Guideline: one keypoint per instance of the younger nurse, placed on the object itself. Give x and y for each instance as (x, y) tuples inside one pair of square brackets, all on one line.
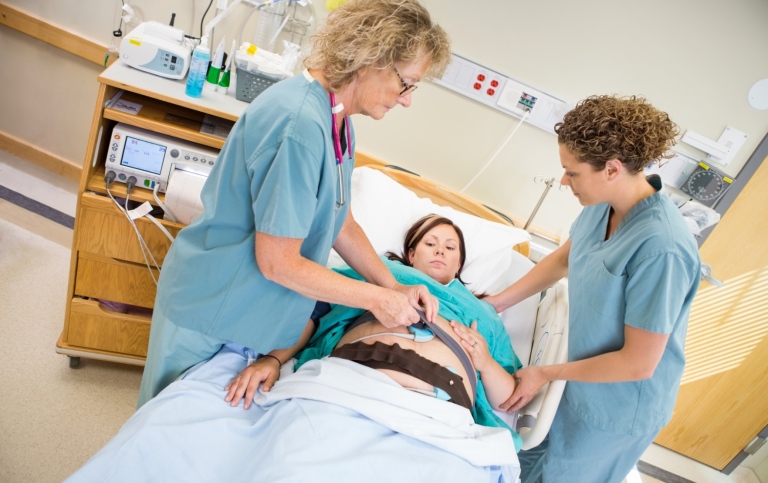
[(249, 269), (633, 269)]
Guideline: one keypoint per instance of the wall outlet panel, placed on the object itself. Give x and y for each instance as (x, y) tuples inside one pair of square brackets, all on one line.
[(732, 139), (503, 93)]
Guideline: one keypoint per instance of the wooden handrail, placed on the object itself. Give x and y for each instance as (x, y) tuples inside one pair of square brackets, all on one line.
[(47, 32)]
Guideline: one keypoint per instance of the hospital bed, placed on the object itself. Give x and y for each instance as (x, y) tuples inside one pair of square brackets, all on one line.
[(361, 427)]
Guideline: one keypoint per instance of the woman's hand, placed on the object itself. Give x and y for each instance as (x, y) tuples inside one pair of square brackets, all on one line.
[(418, 296), (529, 381), (264, 371), (475, 345)]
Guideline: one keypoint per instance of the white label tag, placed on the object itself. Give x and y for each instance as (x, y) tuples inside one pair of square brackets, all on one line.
[(140, 210)]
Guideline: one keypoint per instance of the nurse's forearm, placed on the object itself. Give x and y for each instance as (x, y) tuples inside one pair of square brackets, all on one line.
[(280, 261), (354, 247), (542, 276), (635, 361), (609, 367)]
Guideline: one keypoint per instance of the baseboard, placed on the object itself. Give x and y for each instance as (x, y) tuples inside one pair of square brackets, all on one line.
[(40, 157)]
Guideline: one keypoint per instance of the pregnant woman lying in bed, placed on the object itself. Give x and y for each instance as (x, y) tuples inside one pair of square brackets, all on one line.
[(438, 360)]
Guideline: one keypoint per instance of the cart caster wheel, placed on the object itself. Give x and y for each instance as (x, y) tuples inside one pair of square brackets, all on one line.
[(74, 362)]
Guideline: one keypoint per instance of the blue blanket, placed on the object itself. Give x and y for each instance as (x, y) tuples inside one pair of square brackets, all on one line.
[(456, 303), (345, 431)]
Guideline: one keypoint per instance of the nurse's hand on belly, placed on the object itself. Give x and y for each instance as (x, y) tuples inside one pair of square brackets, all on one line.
[(420, 298), (397, 307)]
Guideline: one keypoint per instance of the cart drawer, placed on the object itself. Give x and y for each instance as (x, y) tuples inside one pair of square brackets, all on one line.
[(93, 327), (104, 230), (105, 278)]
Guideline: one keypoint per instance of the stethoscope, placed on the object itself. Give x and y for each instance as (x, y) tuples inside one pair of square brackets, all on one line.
[(337, 148)]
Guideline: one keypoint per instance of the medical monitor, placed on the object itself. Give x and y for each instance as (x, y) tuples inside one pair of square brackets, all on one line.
[(151, 157)]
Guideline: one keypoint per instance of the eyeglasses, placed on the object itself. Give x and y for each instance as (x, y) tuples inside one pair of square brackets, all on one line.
[(407, 88)]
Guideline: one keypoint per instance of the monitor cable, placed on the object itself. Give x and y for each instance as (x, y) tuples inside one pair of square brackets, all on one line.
[(109, 177)]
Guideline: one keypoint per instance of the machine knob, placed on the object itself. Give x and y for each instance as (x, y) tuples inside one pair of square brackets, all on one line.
[(174, 153)]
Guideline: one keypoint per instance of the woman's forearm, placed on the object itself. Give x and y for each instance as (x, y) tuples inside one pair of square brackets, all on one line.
[(498, 384), (284, 355)]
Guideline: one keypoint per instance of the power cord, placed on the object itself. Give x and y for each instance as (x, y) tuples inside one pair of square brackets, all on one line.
[(498, 150)]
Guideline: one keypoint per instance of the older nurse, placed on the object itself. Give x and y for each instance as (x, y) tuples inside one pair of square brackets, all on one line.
[(249, 269), (633, 269)]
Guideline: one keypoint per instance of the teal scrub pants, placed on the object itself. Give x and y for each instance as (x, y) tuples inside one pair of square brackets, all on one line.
[(172, 350), (577, 451)]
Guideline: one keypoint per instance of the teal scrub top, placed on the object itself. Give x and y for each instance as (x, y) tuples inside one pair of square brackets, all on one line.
[(645, 276), (277, 175)]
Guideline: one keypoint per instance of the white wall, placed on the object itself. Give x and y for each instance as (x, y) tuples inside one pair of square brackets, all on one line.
[(694, 59)]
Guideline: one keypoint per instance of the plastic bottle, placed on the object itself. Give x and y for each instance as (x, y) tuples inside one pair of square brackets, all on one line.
[(198, 69), (270, 18)]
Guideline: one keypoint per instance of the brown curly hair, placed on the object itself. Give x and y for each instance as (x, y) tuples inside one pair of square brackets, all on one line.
[(630, 129), (377, 33)]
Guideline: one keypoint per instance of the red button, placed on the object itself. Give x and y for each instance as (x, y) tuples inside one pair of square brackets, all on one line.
[(481, 77), (495, 83), (477, 86), (491, 92)]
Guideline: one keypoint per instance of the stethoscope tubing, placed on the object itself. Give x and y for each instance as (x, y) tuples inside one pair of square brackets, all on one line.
[(337, 149)]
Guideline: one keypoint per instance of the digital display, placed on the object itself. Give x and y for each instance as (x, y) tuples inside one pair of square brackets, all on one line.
[(143, 155)]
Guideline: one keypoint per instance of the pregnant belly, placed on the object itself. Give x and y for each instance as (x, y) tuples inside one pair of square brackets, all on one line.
[(434, 350)]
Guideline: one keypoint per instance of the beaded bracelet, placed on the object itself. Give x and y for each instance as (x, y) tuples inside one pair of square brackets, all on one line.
[(273, 357)]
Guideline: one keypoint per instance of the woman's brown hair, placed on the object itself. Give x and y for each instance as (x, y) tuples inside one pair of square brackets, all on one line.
[(417, 231)]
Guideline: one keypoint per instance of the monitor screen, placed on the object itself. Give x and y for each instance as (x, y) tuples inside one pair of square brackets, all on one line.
[(143, 155)]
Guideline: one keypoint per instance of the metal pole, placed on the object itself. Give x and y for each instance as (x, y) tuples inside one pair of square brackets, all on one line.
[(549, 182)]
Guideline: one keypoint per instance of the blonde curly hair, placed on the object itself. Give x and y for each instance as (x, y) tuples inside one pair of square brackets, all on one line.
[(377, 33), (630, 129)]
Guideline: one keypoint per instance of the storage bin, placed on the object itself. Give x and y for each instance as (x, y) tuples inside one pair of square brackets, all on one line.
[(250, 84)]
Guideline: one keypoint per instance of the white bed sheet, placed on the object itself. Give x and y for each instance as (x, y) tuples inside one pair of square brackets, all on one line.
[(331, 421)]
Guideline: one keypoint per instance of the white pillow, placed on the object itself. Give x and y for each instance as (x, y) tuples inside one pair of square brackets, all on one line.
[(386, 210)]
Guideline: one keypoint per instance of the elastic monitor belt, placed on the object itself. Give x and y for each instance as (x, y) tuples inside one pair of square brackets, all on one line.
[(393, 357), (442, 335)]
